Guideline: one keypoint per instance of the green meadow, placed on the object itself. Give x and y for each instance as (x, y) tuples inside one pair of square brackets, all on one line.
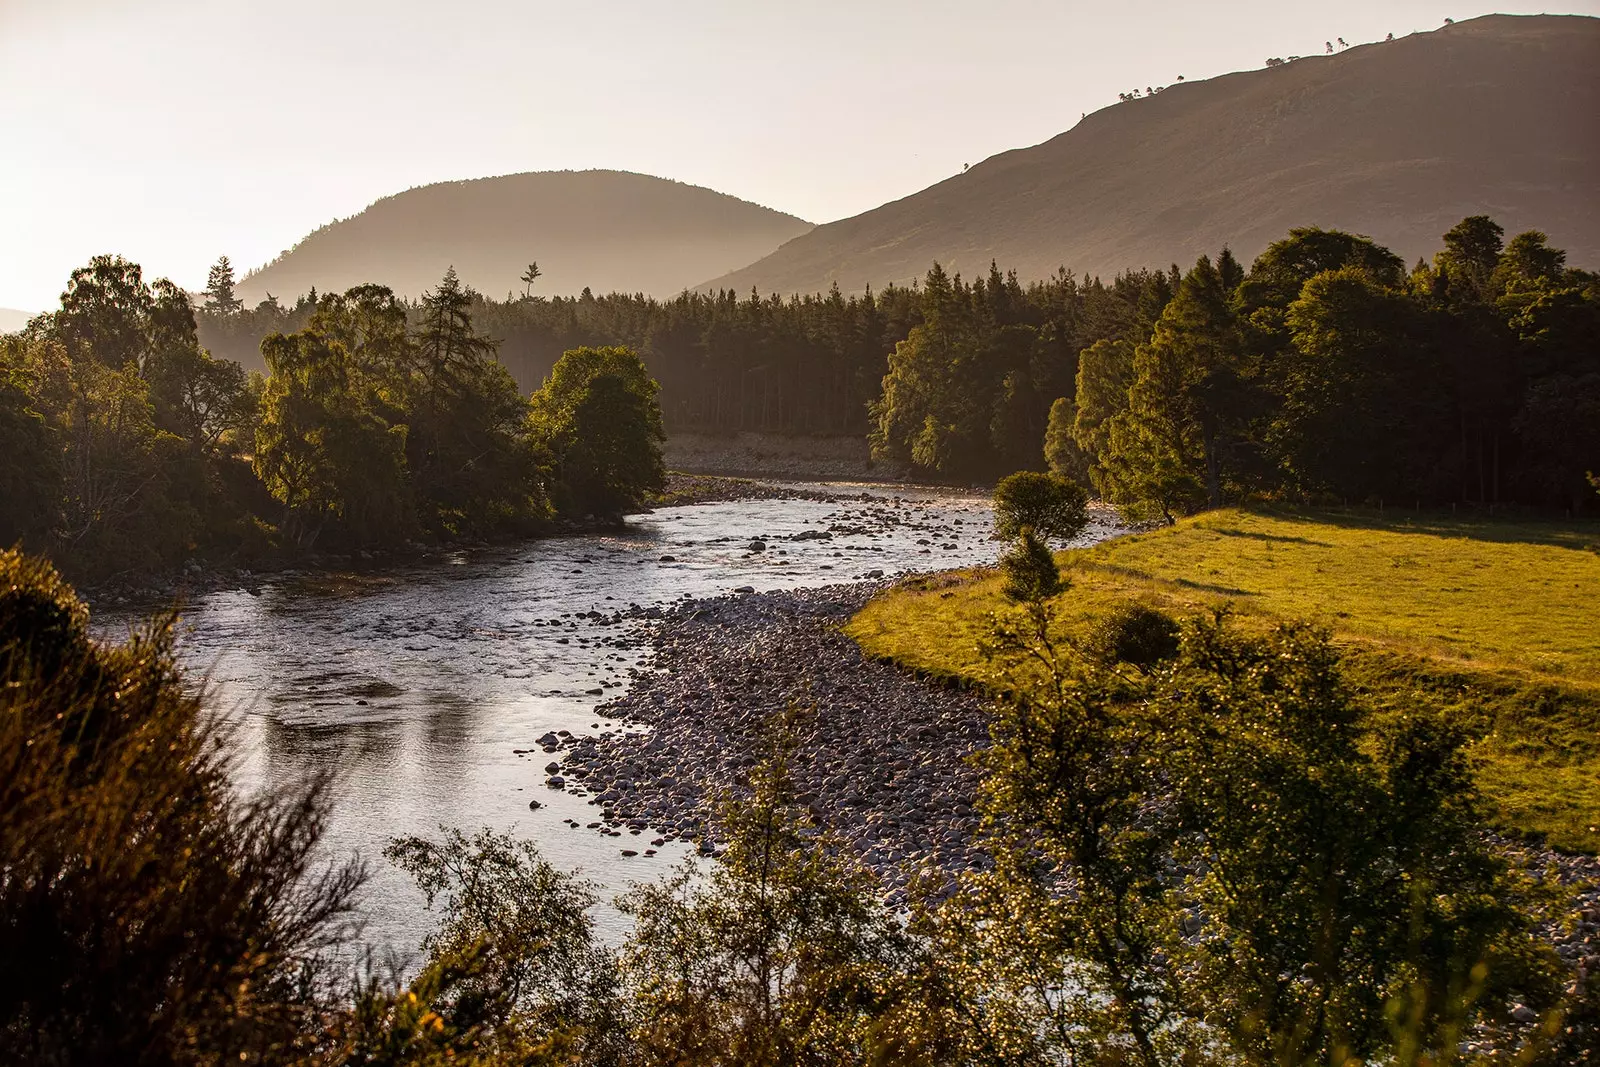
[(1496, 624)]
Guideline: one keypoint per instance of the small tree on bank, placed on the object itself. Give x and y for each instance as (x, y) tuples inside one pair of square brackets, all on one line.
[(1053, 507)]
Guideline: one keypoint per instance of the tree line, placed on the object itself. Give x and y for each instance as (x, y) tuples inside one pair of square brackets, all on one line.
[(803, 365), (1204, 849), (1326, 371), (125, 445)]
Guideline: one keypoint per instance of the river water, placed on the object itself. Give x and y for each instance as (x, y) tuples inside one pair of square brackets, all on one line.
[(418, 686)]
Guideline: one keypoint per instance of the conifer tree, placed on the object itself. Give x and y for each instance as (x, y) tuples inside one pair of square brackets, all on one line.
[(220, 298)]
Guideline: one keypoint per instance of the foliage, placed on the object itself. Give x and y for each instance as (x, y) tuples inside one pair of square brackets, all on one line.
[(597, 418), (1029, 569), (1054, 507), (779, 955), (321, 449), (1133, 633), (162, 917), (518, 942), (1242, 871)]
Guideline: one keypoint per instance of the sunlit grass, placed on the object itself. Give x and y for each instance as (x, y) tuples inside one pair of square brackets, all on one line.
[(1494, 622)]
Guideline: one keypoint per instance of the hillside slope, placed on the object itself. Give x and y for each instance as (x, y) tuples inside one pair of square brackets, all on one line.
[(608, 230), (1398, 140)]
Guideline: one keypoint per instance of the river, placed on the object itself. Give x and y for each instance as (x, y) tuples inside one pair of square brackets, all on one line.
[(417, 686)]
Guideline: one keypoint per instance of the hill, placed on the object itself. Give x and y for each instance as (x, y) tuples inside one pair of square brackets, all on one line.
[(12, 320), (1398, 140), (1488, 622), (607, 230)]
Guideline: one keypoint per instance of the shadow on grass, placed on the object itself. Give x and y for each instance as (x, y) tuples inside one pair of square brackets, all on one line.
[(1575, 534), (1230, 531), (1207, 587)]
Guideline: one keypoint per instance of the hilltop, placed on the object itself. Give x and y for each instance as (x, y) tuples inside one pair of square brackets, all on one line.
[(1397, 140), (606, 230), (12, 320)]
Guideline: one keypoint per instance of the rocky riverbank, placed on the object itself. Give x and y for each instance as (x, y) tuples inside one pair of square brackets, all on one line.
[(713, 488), (882, 758), (765, 455)]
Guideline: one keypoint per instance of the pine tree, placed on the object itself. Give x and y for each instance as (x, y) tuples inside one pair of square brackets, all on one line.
[(220, 298)]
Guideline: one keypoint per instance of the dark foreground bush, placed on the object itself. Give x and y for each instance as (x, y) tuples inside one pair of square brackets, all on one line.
[(147, 914)]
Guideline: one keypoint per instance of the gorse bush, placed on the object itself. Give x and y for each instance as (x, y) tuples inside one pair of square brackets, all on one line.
[(1136, 634), (1030, 570)]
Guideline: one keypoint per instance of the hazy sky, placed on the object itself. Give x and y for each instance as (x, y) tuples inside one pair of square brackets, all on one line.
[(173, 131)]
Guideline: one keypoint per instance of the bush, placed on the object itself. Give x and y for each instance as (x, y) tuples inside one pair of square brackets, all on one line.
[(162, 918), (1029, 569), (1055, 507), (1135, 634)]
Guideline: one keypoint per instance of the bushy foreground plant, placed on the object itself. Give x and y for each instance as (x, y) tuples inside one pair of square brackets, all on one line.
[(1207, 861), (148, 914)]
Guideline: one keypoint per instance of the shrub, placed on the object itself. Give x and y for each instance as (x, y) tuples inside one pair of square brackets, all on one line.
[(1135, 634), (1055, 507), (162, 918), (1029, 569)]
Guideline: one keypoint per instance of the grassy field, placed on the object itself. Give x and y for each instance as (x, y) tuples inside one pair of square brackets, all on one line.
[(1496, 623)]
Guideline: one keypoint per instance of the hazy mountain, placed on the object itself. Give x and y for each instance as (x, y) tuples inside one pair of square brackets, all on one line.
[(1397, 140), (12, 320), (608, 230)]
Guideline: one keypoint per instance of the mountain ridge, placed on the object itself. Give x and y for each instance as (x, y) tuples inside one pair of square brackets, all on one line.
[(1398, 139)]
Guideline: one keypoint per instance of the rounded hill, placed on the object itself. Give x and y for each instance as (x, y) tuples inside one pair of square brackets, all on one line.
[(602, 229)]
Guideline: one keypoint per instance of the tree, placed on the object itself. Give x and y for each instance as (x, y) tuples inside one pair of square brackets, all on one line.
[(473, 468), (1029, 569), (1358, 384), (598, 419), (30, 453), (220, 298), (1053, 507), (1528, 262), (105, 313), (321, 450), (529, 276), (1247, 867), (150, 913), (1560, 423), (1186, 403), (1471, 253), (520, 934), (778, 955), (1061, 451), (1105, 369)]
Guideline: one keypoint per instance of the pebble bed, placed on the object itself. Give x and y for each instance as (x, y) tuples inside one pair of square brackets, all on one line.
[(882, 757)]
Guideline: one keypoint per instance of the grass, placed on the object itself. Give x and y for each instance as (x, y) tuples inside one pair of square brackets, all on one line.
[(1495, 623)]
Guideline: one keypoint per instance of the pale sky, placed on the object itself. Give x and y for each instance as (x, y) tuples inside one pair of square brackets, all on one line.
[(174, 131)]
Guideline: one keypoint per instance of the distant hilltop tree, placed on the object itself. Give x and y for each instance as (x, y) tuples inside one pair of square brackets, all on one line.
[(219, 293), (530, 276)]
